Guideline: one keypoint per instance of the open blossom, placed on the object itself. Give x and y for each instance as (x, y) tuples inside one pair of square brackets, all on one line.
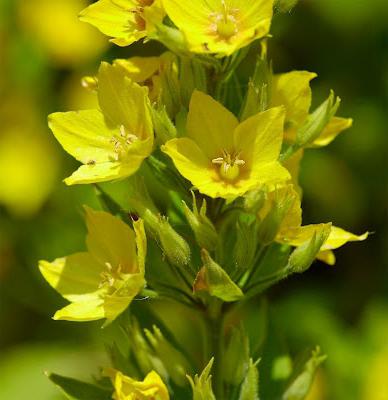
[(126, 21), (292, 232), (126, 388), (293, 91), (224, 158), (220, 26), (111, 143), (101, 282)]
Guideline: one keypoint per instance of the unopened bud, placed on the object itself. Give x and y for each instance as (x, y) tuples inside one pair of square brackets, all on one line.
[(304, 255), (270, 225), (174, 246), (164, 128), (204, 230)]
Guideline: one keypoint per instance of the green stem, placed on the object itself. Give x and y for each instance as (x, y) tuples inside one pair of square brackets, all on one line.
[(216, 330)]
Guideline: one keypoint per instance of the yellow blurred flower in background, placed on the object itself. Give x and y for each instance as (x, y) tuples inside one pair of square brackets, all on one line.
[(29, 160), (54, 25)]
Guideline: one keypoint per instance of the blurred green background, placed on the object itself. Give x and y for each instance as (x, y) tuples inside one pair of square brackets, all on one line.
[(45, 50)]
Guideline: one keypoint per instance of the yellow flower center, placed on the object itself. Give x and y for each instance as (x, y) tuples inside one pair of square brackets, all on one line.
[(122, 142), (111, 278), (224, 23), (229, 165)]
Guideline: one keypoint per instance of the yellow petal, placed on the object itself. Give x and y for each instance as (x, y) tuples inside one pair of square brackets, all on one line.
[(83, 134), (210, 124), (110, 240), (327, 257), (201, 21), (338, 237), (75, 277), (139, 69), (89, 310), (259, 138), (332, 130), (191, 162), (124, 102), (113, 20), (292, 90), (152, 387)]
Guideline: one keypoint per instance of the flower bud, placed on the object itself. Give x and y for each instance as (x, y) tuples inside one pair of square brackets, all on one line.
[(246, 243), (174, 246), (270, 225), (304, 255), (317, 121), (204, 230), (164, 128)]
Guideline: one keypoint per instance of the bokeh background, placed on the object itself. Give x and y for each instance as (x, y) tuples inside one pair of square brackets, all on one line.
[(44, 52)]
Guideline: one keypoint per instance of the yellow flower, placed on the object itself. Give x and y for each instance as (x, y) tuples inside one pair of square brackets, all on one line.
[(54, 28), (220, 26), (293, 91), (126, 388), (223, 158), (101, 282), (113, 142), (126, 21), (293, 233)]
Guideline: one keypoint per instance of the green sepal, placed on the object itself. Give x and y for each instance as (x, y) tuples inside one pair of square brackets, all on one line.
[(78, 390), (304, 255), (250, 386), (163, 126), (236, 358), (203, 228), (214, 280), (202, 385), (303, 377)]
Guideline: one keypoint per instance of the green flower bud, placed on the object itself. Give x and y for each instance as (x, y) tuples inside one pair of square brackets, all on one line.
[(236, 357), (246, 243), (164, 128), (317, 121), (270, 225), (254, 200), (174, 246), (304, 255), (204, 230)]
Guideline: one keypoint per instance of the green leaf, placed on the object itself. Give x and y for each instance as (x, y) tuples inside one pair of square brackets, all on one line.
[(213, 279), (80, 390), (250, 386)]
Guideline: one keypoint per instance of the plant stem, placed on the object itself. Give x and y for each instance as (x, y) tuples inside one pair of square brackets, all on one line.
[(216, 329)]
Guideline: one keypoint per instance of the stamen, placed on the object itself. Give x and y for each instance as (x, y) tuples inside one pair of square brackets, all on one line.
[(229, 165)]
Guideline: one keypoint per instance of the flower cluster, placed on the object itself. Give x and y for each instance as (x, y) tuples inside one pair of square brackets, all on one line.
[(206, 177)]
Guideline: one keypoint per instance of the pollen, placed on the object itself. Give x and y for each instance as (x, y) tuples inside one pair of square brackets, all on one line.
[(230, 165)]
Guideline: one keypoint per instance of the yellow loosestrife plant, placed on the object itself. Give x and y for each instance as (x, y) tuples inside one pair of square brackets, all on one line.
[(197, 177)]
